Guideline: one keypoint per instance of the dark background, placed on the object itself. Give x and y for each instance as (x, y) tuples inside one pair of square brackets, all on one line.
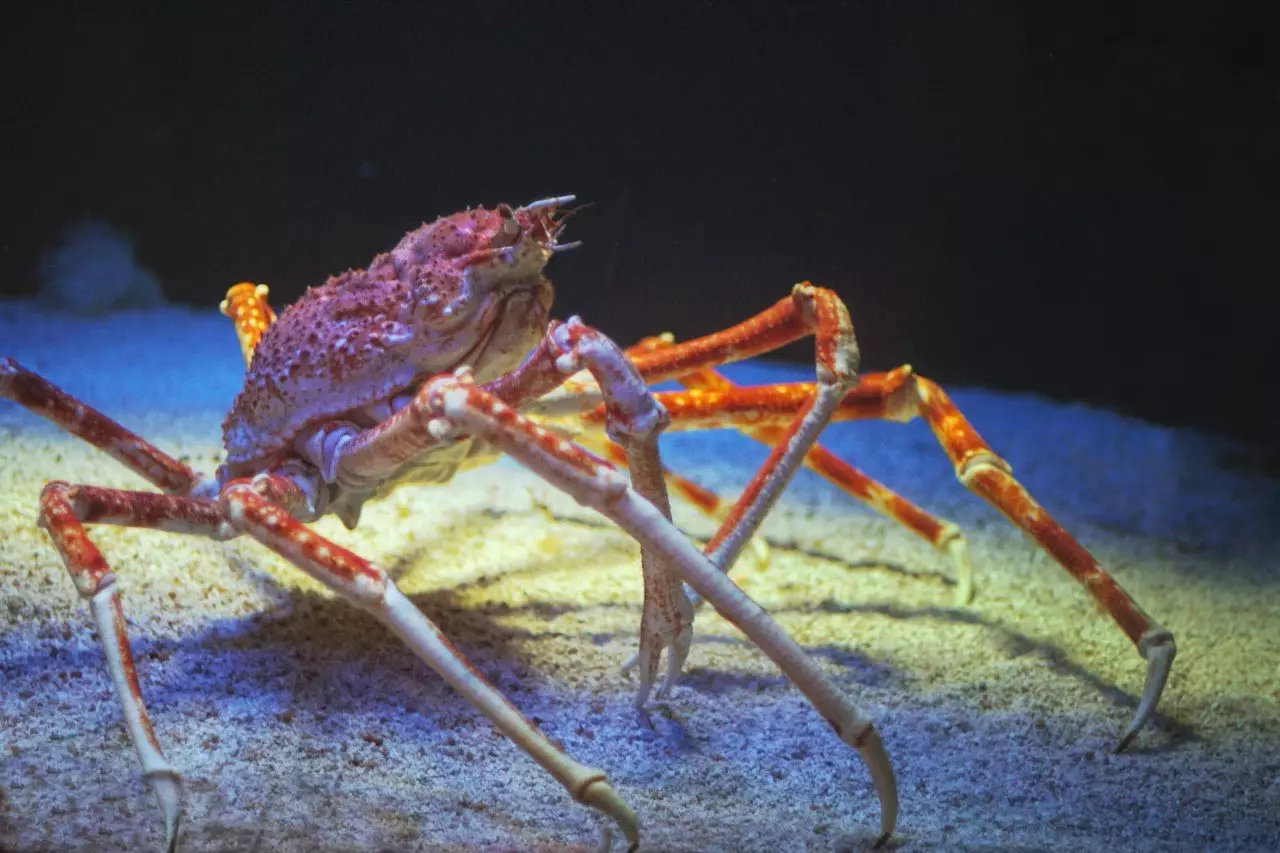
[(1068, 198)]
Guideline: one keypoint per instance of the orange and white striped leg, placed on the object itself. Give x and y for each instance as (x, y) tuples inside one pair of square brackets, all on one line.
[(64, 510), (593, 482), (807, 311), (368, 587), (246, 305), (943, 535), (901, 395), (991, 477)]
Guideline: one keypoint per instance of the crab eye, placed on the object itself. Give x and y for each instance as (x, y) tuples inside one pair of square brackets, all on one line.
[(510, 227)]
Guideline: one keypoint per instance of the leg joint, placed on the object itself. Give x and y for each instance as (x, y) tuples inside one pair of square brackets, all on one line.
[(978, 461), (1156, 638)]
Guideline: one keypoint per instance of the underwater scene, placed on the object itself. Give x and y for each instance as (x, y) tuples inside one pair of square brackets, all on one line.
[(650, 486)]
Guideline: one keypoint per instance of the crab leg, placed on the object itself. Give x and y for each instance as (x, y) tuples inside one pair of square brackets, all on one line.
[(991, 477), (368, 587), (941, 534), (42, 397), (246, 305), (808, 310), (901, 395), (596, 484), (64, 510), (634, 423)]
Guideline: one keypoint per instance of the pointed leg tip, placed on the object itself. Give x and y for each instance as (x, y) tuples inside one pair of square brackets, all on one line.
[(881, 841), (1159, 650), (171, 830), (677, 654), (601, 796), (1125, 740), (871, 748), (167, 785), (646, 664), (642, 695)]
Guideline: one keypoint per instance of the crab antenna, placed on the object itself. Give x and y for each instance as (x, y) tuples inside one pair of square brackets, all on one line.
[(572, 210)]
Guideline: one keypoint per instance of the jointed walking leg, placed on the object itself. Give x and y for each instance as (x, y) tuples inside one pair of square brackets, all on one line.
[(943, 535), (65, 509), (596, 484), (367, 586), (807, 311), (450, 407), (40, 396), (991, 477), (901, 395)]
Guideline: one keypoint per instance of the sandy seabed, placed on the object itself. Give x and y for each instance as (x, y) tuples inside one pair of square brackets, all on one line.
[(301, 725)]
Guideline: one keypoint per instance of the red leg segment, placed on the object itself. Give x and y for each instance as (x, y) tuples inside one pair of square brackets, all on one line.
[(42, 397), (901, 395), (64, 510), (942, 535), (807, 311), (986, 474)]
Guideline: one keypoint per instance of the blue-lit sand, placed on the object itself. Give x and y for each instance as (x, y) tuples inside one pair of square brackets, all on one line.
[(302, 726)]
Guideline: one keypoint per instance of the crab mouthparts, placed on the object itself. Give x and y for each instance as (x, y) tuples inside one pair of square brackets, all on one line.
[(496, 320), (543, 213)]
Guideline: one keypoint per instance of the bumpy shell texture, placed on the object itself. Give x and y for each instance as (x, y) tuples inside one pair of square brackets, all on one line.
[(465, 289)]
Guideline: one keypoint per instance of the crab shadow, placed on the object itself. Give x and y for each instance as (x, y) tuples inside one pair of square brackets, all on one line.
[(319, 654)]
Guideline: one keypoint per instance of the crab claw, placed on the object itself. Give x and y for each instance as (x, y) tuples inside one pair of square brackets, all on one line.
[(1159, 650)]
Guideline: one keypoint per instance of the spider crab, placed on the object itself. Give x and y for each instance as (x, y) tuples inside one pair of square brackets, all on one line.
[(442, 355)]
